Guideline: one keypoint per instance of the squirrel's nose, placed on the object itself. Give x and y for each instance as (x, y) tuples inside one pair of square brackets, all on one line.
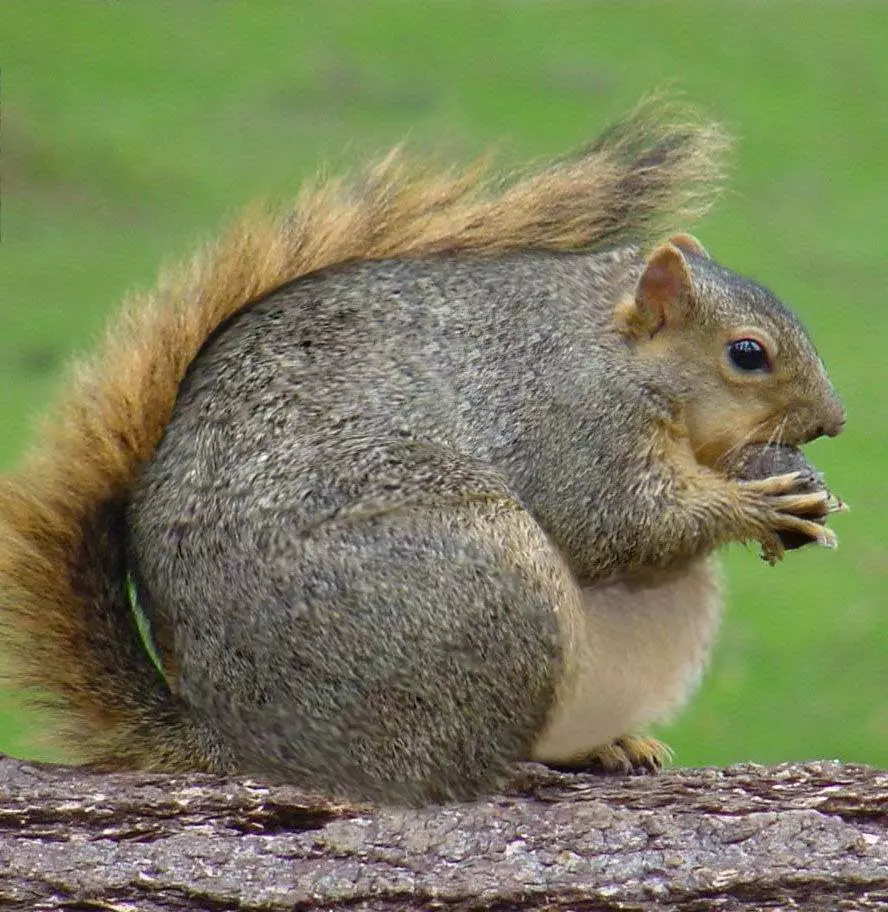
[(835, 422), (832, 424)]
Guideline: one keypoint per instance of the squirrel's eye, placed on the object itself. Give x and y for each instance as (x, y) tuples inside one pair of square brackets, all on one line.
[(748, 355)]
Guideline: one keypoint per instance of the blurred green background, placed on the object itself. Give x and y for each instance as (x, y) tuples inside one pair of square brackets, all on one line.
[(130, 131)]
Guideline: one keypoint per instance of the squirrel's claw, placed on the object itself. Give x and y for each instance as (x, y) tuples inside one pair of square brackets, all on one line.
[(629, 754), (837, 505)]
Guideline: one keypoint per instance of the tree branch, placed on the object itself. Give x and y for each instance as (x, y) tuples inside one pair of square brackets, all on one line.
[(811, 836)]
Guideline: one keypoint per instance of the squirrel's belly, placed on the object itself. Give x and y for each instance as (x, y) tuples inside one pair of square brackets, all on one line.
[(634, 655)]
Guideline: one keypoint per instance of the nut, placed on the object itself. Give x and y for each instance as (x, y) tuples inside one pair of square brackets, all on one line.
[(764, 460)]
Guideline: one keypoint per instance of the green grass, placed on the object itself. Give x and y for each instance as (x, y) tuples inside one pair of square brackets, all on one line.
[(132, 130)]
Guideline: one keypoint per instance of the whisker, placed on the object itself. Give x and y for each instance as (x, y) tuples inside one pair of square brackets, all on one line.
[(746, 439)]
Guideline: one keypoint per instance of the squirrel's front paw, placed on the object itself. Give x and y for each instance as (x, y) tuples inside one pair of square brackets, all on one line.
[(629, 754), (788, 503)]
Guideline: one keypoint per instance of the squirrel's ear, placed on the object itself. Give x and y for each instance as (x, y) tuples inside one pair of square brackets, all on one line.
[(661, 296), (687, 243)]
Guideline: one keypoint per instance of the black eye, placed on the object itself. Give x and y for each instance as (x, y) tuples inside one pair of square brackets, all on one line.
[(748, 355)]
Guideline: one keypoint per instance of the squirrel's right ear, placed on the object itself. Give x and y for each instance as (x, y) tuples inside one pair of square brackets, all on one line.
[(662, 295)]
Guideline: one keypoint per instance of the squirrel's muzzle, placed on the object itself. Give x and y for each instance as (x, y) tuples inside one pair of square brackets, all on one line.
[(832, 422)]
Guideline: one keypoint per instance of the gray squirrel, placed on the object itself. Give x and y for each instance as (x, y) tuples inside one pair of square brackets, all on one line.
[(415, 480)]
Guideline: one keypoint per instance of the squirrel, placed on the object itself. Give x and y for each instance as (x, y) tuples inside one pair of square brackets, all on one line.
[(417, 479)]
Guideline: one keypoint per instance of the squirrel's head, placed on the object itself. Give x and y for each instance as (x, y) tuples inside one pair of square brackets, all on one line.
[(739, 360)]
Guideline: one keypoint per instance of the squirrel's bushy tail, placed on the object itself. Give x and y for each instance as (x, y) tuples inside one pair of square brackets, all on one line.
[(63, 603)]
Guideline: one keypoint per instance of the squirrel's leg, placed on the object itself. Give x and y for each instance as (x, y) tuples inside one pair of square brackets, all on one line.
[(684, 511), (403, 648), (441, 653), (757, 510)]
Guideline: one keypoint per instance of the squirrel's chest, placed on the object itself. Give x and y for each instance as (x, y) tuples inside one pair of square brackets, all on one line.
[(634, 655)]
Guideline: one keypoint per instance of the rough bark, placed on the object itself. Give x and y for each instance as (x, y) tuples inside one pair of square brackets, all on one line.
[(809, 836)]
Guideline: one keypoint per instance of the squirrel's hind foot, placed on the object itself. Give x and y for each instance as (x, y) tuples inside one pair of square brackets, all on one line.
[(626, 755)]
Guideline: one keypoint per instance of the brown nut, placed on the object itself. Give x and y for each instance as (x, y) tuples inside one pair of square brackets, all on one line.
[(764, 460)]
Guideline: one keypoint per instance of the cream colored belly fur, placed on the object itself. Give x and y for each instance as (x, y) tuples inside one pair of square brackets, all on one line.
[(635, 653)]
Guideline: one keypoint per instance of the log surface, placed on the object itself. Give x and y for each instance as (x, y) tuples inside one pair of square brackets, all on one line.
[(810, 836)]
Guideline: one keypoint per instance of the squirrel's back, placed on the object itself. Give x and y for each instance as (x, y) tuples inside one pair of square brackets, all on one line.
[(426, 349)]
